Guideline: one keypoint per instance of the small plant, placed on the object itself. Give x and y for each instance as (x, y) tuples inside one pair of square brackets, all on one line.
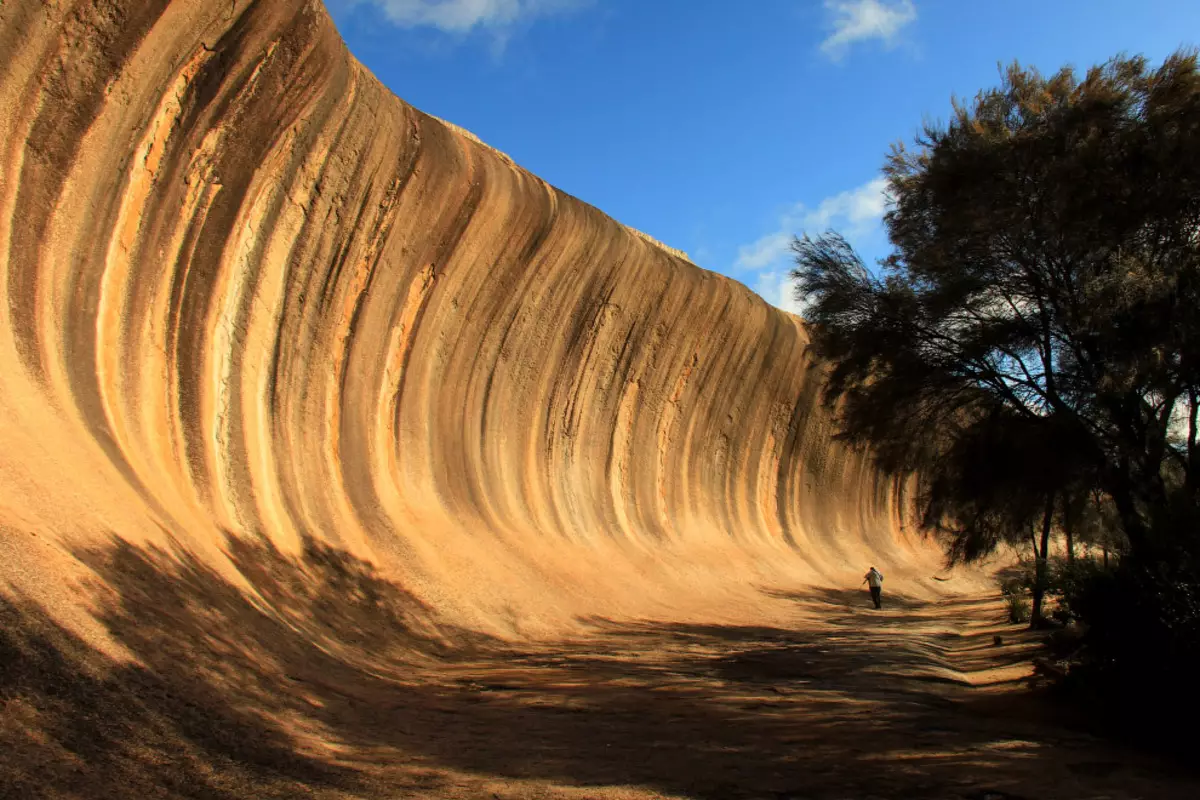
[(1013, 586), (1018, 608)]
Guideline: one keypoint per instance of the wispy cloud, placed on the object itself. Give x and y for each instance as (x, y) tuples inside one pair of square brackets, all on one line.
[(766, 251), (462, 16), (778, 289), (856, 213), (862, 20)]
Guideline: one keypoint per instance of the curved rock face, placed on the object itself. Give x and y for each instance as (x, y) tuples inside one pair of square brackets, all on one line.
[(250, 293)]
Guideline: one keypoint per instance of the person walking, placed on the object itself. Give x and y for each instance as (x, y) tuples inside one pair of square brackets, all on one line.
[(874, 579)]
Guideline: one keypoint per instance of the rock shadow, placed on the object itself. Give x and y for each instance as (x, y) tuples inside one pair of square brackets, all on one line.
[(329, 680)]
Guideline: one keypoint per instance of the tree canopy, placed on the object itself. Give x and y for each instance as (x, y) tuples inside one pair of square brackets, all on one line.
[(1035, 332)]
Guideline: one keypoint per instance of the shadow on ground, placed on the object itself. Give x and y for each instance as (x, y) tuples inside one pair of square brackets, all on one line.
[(331, 682)]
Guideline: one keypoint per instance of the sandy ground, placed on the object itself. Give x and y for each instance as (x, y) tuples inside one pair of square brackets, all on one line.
[(332, 694)]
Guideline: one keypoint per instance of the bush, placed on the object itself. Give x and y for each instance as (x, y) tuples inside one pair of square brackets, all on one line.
[(1014, 585), (1069, 578), (1136, 667), (1018, 607)]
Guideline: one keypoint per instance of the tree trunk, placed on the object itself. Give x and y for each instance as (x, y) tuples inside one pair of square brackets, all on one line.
[(1120, 488), (1191, 466), (1071, 507), (1042, 565)]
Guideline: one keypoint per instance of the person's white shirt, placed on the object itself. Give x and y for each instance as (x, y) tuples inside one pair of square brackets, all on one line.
[(875, 579)]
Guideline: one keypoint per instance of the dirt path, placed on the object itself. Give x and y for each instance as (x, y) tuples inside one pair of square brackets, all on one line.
[(326, 693), (916, 701)]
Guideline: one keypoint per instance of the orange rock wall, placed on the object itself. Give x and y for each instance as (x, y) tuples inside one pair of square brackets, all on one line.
[(247, 291)]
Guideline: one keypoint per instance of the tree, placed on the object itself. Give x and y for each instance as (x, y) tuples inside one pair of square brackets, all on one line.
[(1001, 479), (1035, 333)]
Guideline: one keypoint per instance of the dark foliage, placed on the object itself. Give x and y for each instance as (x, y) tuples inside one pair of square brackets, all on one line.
[(1045, 286), (1031, 350), (1136, 670)]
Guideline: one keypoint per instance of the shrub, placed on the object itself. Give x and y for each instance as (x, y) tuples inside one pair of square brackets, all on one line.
[(1068, 578), (1013, 586), (1018, 607), (1136, 668), (1018, 579)]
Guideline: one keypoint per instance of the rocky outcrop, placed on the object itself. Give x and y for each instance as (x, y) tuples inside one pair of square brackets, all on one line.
[(248, 292)]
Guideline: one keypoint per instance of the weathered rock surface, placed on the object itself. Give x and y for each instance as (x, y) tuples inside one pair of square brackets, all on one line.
[(248, 292)]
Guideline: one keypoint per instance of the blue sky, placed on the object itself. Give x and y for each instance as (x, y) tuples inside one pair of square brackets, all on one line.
[(722, 128)]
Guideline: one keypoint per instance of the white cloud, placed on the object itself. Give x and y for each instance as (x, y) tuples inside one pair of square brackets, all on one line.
[(862, 20), (765, 251), (856, 210), (856, 213), (461, 16), (778, 289)]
